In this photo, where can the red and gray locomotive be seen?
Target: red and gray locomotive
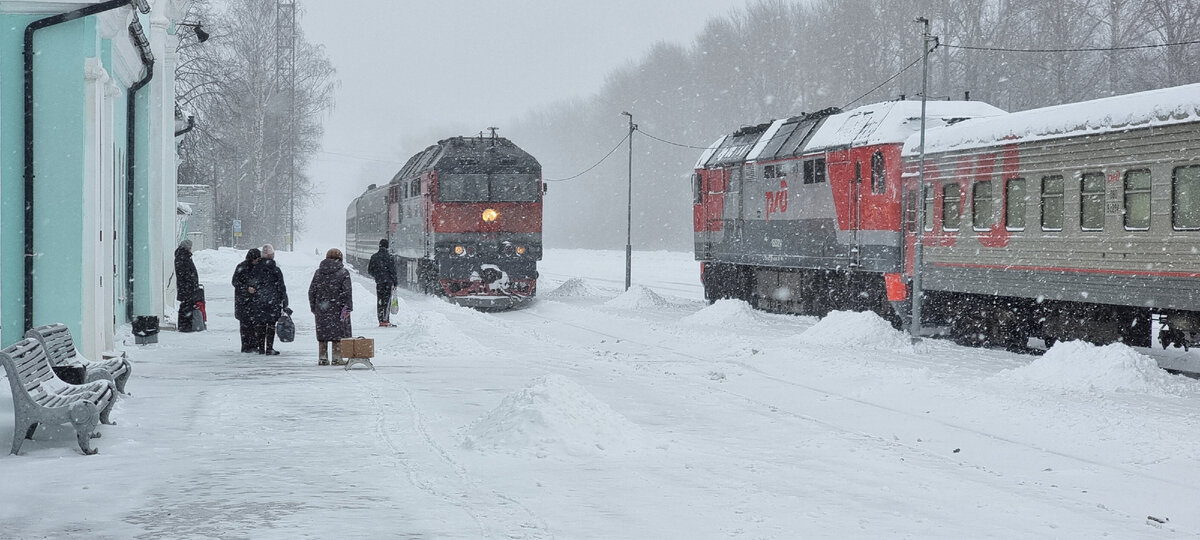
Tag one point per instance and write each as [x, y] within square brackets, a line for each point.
[1079, 221]
[463, 219]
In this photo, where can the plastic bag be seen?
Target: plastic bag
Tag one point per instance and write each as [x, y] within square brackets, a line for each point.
[394, 306]
[285, 328]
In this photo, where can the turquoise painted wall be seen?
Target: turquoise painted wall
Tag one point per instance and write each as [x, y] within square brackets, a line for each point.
[59, 113]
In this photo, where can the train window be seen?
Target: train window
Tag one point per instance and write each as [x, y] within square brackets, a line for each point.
[982, 216]
[814, 171]
[1052, 203]
[697, 188]
[1014, 204]
[929, 207]
[769, 171]
[414, 189]
[878, 174]
[1137, 199]
[951, 206]
[1185, 197]
[514, 187]
[1091, 201]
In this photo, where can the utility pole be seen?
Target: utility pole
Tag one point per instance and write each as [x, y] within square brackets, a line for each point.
[918, 248]
[629, 209]
[285, 83]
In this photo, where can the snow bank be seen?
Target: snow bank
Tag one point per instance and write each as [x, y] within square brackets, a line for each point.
[573, 288]
[855, 329]
[553, 415]
[638, 297]
[725, 312]
[1081, 366]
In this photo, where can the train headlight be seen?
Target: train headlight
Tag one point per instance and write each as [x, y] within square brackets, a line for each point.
[520, 250]
[490, 215]
[460, 250]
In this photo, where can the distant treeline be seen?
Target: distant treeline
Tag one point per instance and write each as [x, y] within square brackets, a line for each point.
[778, 58]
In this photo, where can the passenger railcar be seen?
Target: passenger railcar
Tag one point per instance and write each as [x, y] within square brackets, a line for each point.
[1079, 221]
[463, 219]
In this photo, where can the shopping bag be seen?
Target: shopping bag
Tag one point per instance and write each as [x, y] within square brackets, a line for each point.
[394, 306]
[198, 320]
[285, 329]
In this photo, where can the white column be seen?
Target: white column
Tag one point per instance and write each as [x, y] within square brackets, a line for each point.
[161, 189]
[109, 221]
[94, 284]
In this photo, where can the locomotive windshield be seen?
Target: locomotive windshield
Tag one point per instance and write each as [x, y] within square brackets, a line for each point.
[489, 188]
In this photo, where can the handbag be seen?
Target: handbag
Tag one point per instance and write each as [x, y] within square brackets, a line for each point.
[285, 328]
[394, 305]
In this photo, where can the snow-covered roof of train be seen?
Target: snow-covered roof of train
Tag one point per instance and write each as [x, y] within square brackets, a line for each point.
[1143, 109]
[891, 122]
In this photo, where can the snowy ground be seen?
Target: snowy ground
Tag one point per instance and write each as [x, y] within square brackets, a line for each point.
[601, 414]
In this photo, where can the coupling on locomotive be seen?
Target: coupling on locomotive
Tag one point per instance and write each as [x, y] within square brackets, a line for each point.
[1079, 221]
[463, 219]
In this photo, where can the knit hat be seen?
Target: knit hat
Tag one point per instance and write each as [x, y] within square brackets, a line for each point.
[186, 244]
[383, 243]
[268, 251]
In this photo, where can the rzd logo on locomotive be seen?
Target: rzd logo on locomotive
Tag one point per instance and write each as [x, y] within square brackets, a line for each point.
[777, 201]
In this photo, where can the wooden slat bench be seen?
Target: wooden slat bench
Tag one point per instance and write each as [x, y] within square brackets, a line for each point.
[41, 397]
[60, 348]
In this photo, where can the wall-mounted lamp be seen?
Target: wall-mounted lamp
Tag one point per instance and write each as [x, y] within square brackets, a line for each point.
[201, 35]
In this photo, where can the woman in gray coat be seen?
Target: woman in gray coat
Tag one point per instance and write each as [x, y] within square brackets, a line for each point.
[331, 299]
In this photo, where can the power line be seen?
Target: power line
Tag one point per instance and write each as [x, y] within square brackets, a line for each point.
[881, 85]
[359, 158]
[1082, 49]
[597, 164]
[681, 145]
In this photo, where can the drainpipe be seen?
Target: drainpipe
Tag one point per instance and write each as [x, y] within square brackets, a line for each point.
[143, 44]
[29, 170]
[191, 124]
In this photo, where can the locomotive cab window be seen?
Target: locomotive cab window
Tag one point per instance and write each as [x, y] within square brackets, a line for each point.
[1091, 201]
[878, 174]
[1052, 203]
[697, 188]
[814, 171]
[489, 188]
[982, 216]
[951, 206]
[1185, 198]
[1137, 200]
[1014, 204]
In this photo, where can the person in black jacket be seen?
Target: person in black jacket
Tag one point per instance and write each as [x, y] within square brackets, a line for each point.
[245, 285]
[268, 301]
[331, 299]
[187, 285]
[382, 267]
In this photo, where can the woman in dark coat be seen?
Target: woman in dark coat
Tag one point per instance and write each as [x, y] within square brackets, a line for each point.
[187, 285]
[331, 299]
[245, 284]
[267, 302]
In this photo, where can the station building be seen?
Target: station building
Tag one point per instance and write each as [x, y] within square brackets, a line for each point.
[87, 165]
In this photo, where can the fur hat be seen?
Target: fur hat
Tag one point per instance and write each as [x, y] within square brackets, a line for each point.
[383, 243]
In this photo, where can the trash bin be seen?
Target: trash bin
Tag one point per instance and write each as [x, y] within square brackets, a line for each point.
[145, 329]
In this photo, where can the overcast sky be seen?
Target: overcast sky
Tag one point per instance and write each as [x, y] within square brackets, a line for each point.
[413, 70]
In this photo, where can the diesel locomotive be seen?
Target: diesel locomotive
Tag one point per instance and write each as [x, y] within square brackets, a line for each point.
[1078, 221]
[463, 218]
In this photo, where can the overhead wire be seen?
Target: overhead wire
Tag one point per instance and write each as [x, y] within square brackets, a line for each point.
[594, 165]
[672, 143]
[1081, 49]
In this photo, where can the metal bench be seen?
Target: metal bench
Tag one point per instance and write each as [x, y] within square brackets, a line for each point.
[60, 348]
[41, 397]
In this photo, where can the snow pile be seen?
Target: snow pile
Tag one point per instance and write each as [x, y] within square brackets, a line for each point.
[573, 288]
[855, 329]
[220, 261]
[1081, 366]
[638, 297]
[725, 312]
[553, 414]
